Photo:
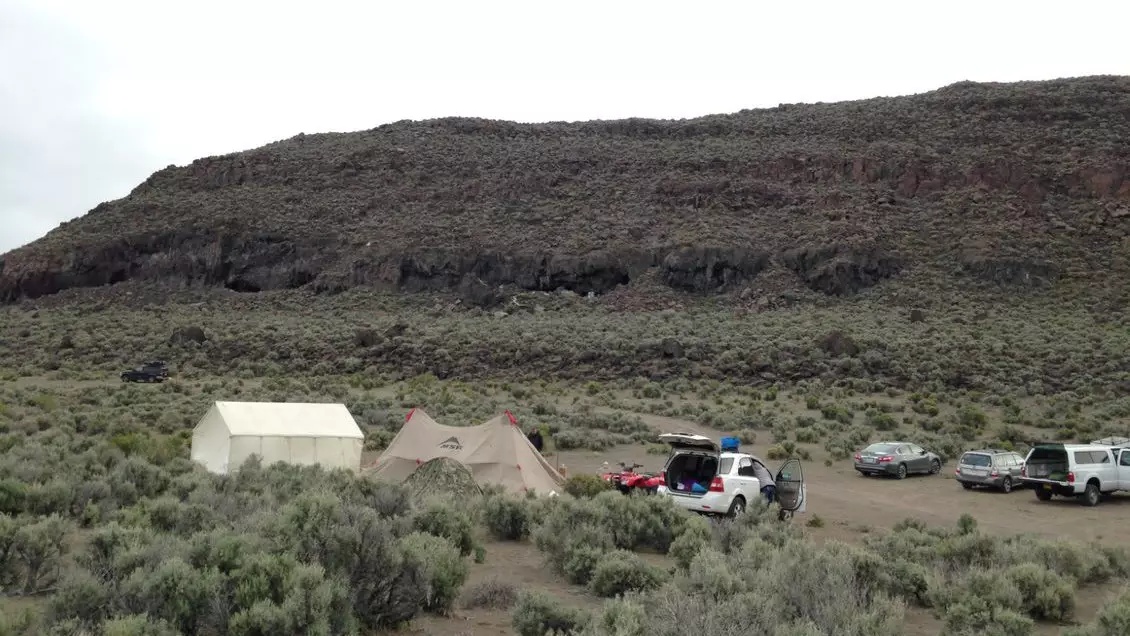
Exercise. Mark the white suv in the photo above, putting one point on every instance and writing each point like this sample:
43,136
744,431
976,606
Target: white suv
700,477
1084,471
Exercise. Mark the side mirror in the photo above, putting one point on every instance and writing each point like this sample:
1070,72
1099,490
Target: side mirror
922,452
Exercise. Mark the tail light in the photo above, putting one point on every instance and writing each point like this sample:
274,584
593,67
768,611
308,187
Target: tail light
663,475
1071,478
1023,471
857,458
716,485
885,458
994,474
957,471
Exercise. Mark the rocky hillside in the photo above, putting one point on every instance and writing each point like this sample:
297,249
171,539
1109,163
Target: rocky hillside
1014,183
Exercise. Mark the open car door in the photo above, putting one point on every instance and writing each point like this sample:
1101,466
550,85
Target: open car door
790,486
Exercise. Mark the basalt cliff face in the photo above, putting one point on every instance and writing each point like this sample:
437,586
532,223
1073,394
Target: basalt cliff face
1015,184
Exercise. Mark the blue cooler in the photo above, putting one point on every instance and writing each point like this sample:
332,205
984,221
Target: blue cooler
730,444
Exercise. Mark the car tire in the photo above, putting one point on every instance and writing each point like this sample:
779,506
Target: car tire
737,507
1006,485
1042,494
935,467
966,485
1091,495
901,473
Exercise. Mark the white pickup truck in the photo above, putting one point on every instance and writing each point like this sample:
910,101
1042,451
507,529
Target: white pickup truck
1083,471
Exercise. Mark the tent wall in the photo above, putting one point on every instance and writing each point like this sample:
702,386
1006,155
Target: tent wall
328,452
211,443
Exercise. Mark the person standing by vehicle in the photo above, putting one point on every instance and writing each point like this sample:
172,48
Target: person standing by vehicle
768,486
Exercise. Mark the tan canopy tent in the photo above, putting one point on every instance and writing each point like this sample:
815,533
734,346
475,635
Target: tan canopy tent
495,451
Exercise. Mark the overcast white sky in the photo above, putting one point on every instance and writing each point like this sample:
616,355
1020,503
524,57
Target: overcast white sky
97,95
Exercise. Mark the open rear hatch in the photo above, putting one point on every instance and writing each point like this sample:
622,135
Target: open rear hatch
693,464
689,441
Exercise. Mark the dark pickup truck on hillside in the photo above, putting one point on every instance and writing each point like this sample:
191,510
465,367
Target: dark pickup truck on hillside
156,371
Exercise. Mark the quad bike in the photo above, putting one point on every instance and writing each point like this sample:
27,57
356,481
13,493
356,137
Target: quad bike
628,480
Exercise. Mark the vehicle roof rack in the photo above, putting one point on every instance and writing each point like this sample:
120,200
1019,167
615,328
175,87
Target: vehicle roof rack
1112,441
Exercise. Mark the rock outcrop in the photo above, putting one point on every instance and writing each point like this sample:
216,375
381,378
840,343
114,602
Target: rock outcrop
845,196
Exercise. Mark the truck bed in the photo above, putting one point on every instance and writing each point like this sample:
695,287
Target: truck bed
1046,469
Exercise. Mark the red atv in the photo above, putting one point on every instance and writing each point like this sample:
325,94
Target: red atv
628,480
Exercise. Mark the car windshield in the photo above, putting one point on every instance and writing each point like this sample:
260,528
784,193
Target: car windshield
881,448
976,459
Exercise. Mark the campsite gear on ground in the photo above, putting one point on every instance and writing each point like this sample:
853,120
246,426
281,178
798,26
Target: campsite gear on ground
496,452
627,480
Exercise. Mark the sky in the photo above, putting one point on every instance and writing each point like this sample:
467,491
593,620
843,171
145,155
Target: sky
96,96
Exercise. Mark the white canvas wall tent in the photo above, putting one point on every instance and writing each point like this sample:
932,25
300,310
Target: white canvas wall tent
296,433
496,452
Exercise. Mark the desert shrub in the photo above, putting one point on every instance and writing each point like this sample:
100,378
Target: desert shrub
263,618
807,435
980,616
1112,620
695,536
763,589
538,614
880,421
81,598
1046,595
585,485
506,517
621,571
37,549
441,567
625,617
13,494
493,594
444,520
138,625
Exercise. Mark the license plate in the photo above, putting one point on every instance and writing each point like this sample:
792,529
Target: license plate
974,471
868,460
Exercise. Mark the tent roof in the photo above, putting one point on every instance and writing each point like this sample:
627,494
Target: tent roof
288,419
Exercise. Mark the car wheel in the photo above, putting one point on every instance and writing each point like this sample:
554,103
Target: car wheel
1091,495
935,467
737,507
1043,495
966,485
1006,485
901,474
